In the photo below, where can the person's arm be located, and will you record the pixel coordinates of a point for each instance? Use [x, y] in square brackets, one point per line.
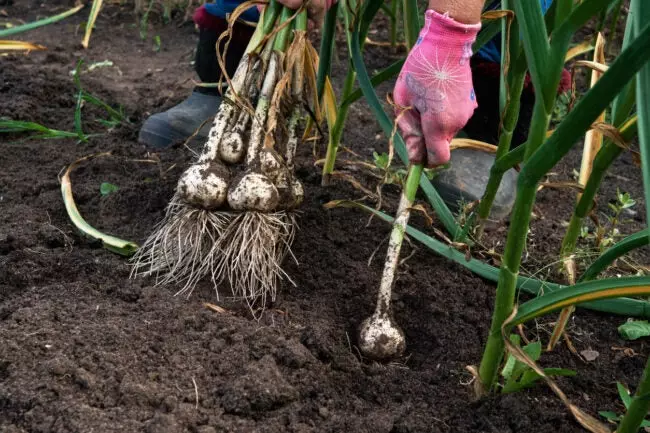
[463, 11]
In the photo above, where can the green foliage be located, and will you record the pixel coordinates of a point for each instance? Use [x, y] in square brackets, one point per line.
[561, 108]
[115, 116]
[634, 329]
[38, 131]
[626, 398]
[518, 376]
[107, 188]
[156, 43]
[606, 235]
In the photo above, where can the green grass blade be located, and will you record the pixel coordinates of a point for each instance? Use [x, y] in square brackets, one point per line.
[439, 206]
[488, 31]
[594, 102]
[535, 41]
[622, 105]
[115, 114]
[532, 286]
[641, 16]
[411, 17]
[632, 242]
[44, 131]
[328, 38]
[384, 75]
[94, 12]
[39, 23]
[590, 291]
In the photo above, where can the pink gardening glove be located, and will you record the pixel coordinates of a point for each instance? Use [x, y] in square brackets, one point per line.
[436, 83]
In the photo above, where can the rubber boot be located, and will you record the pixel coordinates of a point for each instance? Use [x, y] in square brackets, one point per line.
[177, 124]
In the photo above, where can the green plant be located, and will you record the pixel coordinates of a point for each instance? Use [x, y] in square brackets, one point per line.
[606, 235]
[626, 398]
[107, 188]
[545, 62]
[40, 23]
[518, 375]
[634, 329]
[111, 243]
[38, 131]
[544, 49]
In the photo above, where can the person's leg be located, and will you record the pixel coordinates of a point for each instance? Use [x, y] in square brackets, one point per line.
[181, 121]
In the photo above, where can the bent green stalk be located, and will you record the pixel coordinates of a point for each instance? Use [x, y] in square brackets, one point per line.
[336, 133]
[508, 124]
[638, 409]
[439, 206]
[603, 160]
[545, 62]
[39, 23]
[328, 36]
[632, 242]
[337, 130]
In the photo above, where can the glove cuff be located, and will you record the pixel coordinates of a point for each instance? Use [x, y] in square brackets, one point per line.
[442, 30]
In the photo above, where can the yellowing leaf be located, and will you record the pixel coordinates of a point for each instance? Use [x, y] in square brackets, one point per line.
[94, 12]
[579, 49]
[19, 46]
[459, 143]
[329, 103]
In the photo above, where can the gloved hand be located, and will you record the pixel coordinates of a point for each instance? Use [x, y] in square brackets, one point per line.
[434, 95]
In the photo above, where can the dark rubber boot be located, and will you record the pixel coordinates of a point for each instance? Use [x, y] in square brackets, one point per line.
[175, 125]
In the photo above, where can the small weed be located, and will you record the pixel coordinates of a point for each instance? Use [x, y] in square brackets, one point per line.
[107, 188]
[561, 108]
[518, 375]
[115, 117]
[605, 235]
[634, 329]
[626, 398]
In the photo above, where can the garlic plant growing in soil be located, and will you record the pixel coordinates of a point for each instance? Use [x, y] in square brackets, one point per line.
[232, 215]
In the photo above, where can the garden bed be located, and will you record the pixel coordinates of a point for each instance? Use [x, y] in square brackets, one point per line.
[85, 348]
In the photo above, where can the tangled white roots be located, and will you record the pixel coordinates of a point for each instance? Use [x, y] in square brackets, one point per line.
[232, 216]
[250, 252]
[246, 249]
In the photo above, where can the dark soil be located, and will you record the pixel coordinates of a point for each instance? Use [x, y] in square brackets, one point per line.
[86, 349]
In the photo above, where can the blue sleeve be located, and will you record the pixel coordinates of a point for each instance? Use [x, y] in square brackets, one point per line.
[491, 51]
[221, 8]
